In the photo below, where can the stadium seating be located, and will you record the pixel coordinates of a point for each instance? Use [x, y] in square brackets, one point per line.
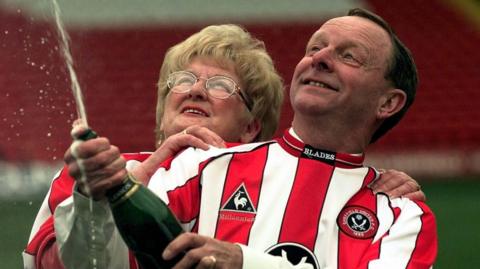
[118, 71]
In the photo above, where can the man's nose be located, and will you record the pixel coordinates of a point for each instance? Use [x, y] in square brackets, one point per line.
[322, 60]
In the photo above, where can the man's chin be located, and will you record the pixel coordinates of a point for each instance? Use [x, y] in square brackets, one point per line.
[310, 102]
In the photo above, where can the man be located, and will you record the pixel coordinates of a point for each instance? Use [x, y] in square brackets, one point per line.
[308, 196]
[302, 201]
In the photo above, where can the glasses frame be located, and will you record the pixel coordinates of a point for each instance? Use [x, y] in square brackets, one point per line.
[236, 88]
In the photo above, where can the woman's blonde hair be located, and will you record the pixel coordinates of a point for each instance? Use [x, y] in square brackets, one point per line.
[229, 44]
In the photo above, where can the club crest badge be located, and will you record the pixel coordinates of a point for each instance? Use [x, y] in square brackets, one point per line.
[358, 222]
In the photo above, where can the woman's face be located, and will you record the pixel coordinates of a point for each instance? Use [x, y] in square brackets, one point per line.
[229, 117]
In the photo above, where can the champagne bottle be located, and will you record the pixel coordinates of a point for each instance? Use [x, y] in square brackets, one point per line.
[144, 221]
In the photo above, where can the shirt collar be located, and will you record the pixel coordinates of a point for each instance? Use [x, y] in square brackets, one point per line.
[297, 147]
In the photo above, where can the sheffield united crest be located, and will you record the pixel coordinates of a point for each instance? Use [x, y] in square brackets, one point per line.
[358, 222]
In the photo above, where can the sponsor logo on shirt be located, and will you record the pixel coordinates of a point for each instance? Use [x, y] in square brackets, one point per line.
[358, 222]
[295, 253]
[320, 155]
[239, 201]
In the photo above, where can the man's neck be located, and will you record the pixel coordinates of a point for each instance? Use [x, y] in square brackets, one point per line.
[330, 135]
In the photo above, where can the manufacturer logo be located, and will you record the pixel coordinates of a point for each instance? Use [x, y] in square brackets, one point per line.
[239, 201]
[295, 253]
[358, 222]
[313, 153]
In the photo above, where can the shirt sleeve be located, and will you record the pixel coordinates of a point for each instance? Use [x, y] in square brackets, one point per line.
[42, 234]
[410, 242]
[88, 229]
[255, 259]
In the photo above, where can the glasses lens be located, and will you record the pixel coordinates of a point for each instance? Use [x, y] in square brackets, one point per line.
[181, 81]
[220, 87]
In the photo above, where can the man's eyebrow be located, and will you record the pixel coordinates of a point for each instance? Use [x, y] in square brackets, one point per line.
[315, 39]
[355, 45]
[318, 36]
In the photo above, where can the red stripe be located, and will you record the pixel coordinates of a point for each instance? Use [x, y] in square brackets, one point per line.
[45, 232]
[371, 176]
[132, 260]
[426, 246]
[195, 227]
[48, 256]
[245, 168]
[185, 200]
[351, 250]
[305, 203]
[62, 188]
[396, 213]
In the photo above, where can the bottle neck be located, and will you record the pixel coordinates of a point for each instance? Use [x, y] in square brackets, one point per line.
[122, 192]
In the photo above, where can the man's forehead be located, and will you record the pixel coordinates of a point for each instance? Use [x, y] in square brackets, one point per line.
[357, 31]
[353, 25]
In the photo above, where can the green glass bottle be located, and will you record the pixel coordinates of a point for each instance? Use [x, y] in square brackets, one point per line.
[145, 223]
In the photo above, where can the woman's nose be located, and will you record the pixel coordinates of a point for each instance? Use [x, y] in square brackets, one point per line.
[198, 90]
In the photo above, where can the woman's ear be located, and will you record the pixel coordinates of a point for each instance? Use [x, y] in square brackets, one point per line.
[159, 135]
[251, 131]
[392, 102]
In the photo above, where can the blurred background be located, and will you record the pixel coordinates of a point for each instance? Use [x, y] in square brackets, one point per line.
[118, 47]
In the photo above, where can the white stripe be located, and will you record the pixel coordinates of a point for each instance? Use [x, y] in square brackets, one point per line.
[185, 166]
[44, 211]
[42, 215]
[28, 261]
[266, 228]
[401, 240]
[182, 168]
[213, 180]
[385, 216]
[344, 184]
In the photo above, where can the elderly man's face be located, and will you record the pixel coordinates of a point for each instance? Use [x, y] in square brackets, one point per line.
[342, 72]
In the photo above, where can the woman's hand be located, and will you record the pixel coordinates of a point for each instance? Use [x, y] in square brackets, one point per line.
[396, 183]
[193, 136]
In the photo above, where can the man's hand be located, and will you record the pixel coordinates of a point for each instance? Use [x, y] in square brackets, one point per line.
[395, 184]
[193, 136]
[203, 252]
[95, 164]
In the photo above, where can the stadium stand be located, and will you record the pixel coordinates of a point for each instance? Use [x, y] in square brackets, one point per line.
[118, 70]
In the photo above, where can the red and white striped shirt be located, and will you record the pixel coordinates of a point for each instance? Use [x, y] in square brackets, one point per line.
[288, 204]
[288, 199]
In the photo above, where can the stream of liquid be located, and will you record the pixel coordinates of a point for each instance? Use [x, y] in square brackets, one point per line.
[65, 49]
[81, 114]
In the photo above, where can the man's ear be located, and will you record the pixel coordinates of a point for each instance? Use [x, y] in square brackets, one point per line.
[391, 102]
[251, 131]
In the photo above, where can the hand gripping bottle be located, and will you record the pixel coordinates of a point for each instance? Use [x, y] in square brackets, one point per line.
[144, 221]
